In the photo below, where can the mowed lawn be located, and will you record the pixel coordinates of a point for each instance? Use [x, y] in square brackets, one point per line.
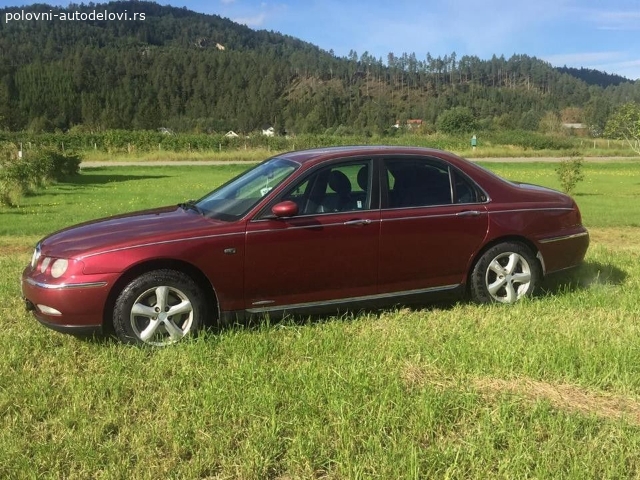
[548, 388]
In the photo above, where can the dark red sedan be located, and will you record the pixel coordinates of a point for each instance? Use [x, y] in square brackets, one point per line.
[307, 231]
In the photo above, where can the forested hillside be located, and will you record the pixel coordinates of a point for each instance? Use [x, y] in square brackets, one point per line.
[193, 72]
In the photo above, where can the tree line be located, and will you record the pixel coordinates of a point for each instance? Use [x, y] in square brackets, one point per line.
[192, 72]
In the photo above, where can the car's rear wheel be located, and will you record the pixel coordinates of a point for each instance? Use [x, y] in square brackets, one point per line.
[505, 273]
[159, 308]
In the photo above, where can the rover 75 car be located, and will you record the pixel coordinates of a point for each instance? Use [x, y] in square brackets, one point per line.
[306, 232]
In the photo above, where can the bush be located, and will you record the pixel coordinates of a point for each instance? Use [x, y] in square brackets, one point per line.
[10, 186]
[456, 120]
[37, 168]
[10, 192]
[532, 140]
[570, 173]
[63, 165]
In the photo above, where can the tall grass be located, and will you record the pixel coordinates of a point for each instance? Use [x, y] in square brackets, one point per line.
[547, 388]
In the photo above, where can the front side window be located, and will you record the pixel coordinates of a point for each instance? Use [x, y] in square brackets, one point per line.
[417, 183]
[337, 188]
[234, 199]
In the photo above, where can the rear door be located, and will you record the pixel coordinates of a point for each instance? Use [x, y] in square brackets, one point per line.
[433, 220]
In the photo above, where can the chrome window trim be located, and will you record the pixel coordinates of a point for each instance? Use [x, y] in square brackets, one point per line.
[441, 205]
[416, 217]
[482, 212]
[422, 217]
[316, 214]
[351, 299]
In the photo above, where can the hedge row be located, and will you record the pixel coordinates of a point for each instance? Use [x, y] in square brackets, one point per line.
[35, 169]
[122, 141]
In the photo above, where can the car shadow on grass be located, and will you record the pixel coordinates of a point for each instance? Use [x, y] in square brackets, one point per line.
[91, 179]
[75, 184]
[28, 210]
[582, 277]
[278, 320]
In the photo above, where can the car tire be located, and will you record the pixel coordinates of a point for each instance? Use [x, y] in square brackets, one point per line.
[159, 308]
[505, 273]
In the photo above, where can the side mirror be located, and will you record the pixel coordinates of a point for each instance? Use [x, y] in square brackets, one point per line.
[285, 209]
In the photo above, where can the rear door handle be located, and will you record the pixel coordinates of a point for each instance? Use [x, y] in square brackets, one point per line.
[468, 213]
[360, 221]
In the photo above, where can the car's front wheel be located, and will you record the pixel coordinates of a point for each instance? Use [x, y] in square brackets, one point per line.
[159, 308]
[505, 273]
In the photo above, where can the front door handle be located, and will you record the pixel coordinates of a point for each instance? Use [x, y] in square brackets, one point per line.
[360, 221]
[468, 213]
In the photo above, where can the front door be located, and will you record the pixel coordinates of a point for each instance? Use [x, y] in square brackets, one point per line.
[329, 251]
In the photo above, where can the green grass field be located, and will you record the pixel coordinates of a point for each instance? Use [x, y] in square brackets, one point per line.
[548, 388]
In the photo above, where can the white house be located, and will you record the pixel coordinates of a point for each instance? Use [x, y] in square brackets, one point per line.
[231, 134]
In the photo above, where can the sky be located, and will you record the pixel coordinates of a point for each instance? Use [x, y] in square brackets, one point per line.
[602, 34]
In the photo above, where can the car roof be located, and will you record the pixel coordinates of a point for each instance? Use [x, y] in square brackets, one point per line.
[325, 153]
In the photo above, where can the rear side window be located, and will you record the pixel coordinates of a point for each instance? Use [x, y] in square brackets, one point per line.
[417, 183]
[465, 191]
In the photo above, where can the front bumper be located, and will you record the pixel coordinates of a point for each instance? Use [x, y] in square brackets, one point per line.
[76, 330]
[75, 307]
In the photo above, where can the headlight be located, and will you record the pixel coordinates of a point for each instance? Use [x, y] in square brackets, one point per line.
[45, 263]
[59, 267]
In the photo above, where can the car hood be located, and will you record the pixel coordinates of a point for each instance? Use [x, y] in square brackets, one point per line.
[137, 228]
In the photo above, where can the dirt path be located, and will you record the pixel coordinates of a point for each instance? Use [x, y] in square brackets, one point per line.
[154, 163]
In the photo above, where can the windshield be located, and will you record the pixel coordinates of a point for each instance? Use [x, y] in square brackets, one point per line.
[234, 199]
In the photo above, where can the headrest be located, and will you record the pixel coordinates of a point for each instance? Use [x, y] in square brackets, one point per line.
[339, 182]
